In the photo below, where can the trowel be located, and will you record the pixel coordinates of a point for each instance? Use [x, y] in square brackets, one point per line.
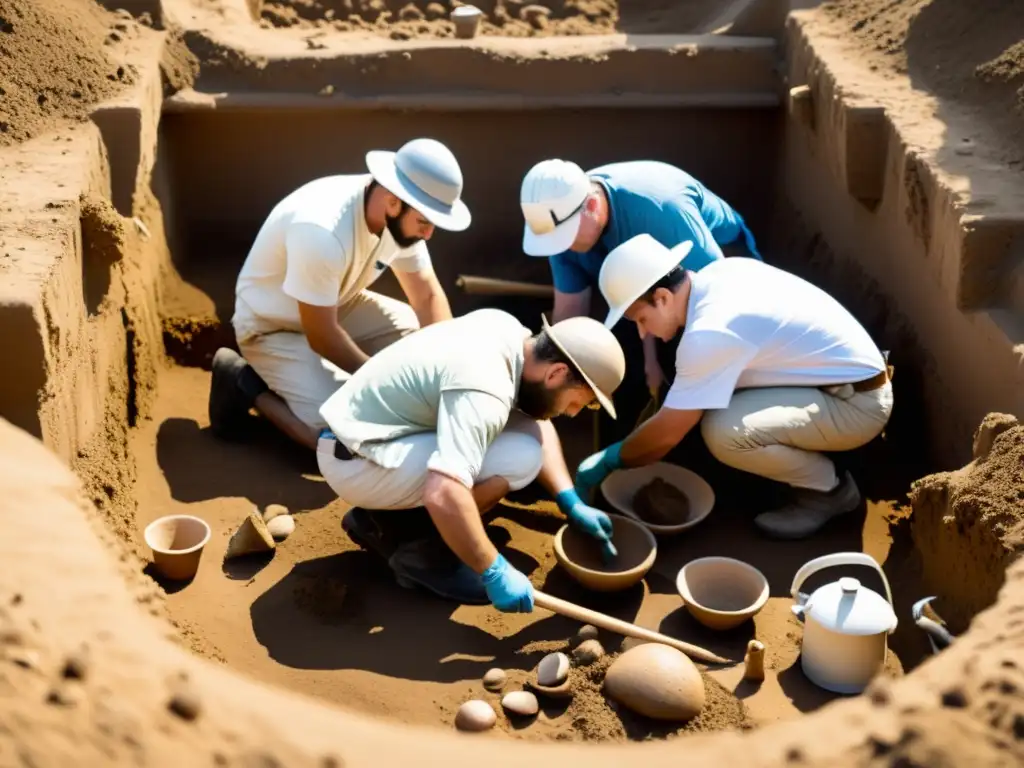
[939, 637]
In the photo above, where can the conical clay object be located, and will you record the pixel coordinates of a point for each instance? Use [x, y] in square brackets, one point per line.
[252, 536]
[754, 661]
[281, 527]
[656, 681]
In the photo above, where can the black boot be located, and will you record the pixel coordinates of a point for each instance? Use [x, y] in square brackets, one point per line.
[234, 386]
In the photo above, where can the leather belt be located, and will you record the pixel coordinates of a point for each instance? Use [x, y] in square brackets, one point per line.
[877, 381]
[340, 451]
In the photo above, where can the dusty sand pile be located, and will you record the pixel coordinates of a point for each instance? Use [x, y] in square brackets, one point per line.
[58, 60]
[967, 53]
[971, 521]
[405, 19]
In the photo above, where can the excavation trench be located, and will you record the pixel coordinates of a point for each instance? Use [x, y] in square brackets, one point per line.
[324, 618]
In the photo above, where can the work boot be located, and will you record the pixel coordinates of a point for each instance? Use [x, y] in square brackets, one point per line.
[234, 387]
[430, 564]
[384, 531]
[810, 510]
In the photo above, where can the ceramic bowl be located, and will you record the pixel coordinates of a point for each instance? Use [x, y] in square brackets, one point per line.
[177, 542]
[621, 486]
[722, 593]
[580, 555]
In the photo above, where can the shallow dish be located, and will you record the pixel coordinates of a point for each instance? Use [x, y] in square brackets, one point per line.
[580, 555]
[621, 486]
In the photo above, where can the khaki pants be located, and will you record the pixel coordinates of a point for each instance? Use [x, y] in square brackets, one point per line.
[778, 432]
[305, 380]
[514, 455]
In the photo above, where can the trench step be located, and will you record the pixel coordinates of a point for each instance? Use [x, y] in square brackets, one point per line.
[864, 137]
[992, 263]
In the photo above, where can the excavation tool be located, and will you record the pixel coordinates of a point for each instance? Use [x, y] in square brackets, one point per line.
[938, 636]
[492, 286]
[579, 613]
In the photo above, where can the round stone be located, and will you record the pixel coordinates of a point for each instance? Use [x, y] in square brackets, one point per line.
[588, 652]
[656, 681]
[274, 510]
[495, 679]
[521, 703]
[281, 527]
[475, 715]
[553, 669]
[587, 632]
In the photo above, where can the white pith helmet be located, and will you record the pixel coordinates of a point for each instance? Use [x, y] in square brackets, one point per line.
[632, 268]
[424, 174]
[595, 352]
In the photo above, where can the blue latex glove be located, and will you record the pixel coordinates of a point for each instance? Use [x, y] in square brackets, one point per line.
[508, 589]
[590, 520]
[594, 469]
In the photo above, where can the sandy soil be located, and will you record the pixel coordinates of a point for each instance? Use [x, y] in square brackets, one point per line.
[322, 617]
[402, 19]
[970, 54]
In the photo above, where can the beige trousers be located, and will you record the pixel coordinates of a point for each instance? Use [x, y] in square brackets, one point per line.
[305, 380]
[780, 432]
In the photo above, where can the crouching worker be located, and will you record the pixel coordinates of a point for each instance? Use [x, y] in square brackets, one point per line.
[304, 317]
[776, 371]
[452, 419]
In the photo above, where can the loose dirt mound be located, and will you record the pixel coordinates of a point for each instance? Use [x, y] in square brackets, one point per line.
[402, 19]
[971, 522]
[970, 53]
[58, 60]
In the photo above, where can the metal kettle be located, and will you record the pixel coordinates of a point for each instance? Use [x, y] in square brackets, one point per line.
[846, 625]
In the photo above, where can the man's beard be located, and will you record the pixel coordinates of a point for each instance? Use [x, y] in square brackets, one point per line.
[536, 400]
[394, 224]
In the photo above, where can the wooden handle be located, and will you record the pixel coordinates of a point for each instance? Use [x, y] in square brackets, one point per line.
[495, 286]
[578, 612]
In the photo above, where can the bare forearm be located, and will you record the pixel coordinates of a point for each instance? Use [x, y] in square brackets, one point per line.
[554, 474]
[433, 309]
[457, 519]
[340, 349]
[657, 436]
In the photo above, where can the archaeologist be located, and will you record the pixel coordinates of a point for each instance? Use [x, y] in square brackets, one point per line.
[304, 319]
[452, 419]
[576, 218]
[776, 371]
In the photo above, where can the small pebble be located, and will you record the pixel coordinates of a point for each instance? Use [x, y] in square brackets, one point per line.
[281, 527]
[495, 679]
[587, 632]
[65, 695]
[273, 510]
[588, 652]
[185, 704]
[25, 658]
[521, 703]
[553, 669]
[475, 715]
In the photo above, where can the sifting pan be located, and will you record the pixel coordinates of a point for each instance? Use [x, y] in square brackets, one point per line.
[621, 486]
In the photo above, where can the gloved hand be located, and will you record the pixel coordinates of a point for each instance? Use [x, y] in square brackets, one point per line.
[508, 589]
[590, 520]
[594, 469]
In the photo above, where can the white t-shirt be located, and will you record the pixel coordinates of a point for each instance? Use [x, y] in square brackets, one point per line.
[315, 248]
[458, 378]
[749, 324]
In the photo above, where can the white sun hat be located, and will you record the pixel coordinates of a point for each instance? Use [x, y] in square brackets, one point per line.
[595, 352]
[552, 198]
[632, 268]
[424, 174]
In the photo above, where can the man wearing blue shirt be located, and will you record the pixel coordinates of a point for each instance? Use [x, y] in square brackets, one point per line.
[576, 218]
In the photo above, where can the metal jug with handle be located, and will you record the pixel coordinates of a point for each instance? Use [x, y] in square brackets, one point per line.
[846, 625]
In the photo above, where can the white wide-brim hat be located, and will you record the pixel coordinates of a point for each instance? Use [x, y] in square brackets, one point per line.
[595, 353]
[630, 270]
[424, 175]
[559, 240]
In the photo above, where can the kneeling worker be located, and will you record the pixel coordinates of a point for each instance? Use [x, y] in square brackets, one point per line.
[304, 319]
[775, 369]
[452, 419]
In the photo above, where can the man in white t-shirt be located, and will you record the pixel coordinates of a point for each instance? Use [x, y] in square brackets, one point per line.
[304, 319]
[775, 369]
[452, 419]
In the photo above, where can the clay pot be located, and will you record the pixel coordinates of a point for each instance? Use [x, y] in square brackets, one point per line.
[561, 691]
[720, 592]
[580, 555]
[466, 19]
[656, 681]
[177, 542]
[620, 488]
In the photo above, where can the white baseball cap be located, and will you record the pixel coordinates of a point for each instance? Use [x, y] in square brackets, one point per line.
[552, 198]
[630, 270]
[424, 173]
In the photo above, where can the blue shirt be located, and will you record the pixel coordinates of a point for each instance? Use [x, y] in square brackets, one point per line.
[654, 198]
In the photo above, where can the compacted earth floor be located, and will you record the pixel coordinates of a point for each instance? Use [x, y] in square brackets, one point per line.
[323, 617]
